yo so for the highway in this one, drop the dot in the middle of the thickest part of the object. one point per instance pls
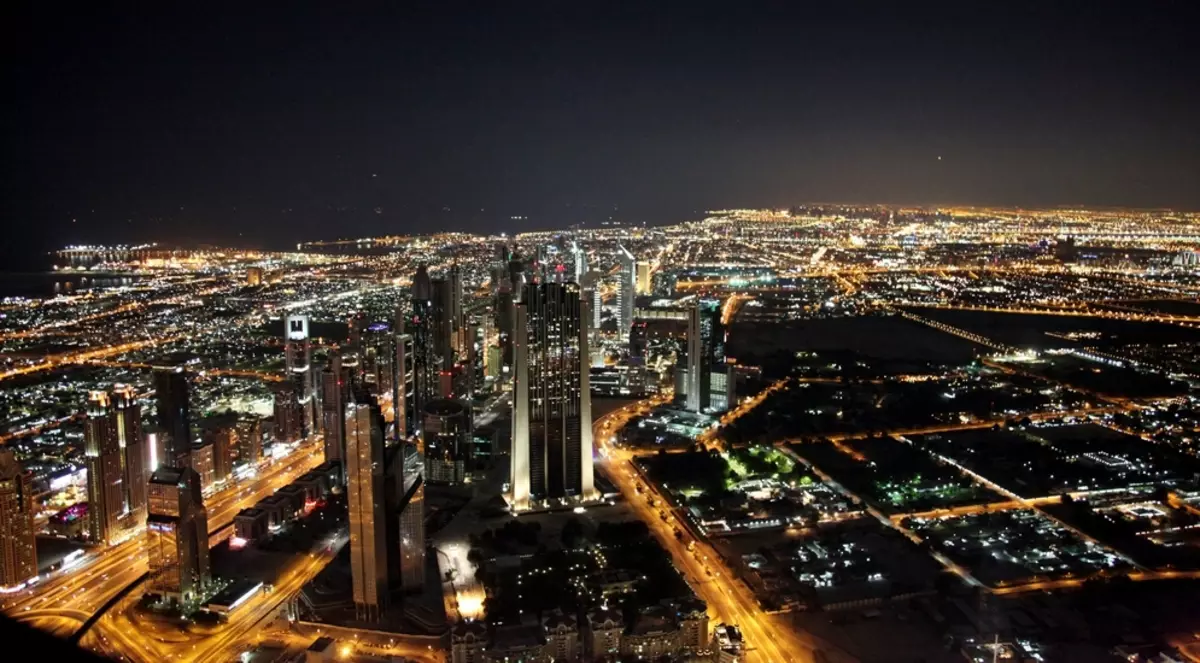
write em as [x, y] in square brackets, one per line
[730, 600]
[99, 576]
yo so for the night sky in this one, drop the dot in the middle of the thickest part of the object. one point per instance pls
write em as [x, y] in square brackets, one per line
[269, 126]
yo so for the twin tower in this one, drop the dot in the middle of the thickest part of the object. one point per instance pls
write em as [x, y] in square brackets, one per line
[552, 405]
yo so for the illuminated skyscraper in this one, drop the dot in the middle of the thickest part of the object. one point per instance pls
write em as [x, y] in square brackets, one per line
[113, 447]
[412, 522]
[335, 387]
[445, 326]
[404, 414]
[625, 292]
[174, 418]
[642, 278]
[446, 432]
[579, 256]
[177, 534]
[516, 276]
[367, 502]
[696, 396]
[420, 324]
[298, 357]
[289, 414]
[552, 442]
[18, 547]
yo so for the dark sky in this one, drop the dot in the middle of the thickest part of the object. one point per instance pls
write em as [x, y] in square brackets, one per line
[271, 125]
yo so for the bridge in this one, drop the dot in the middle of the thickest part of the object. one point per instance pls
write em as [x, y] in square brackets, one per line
[108, 605]
[59, 613]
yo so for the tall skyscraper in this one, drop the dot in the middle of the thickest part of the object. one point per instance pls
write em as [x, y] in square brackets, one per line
[412, 521]
[18, 547]
[404, 414]
[298, 357]
[445, 326]
[289, 413]
[504, 326]
[113, 448]
[695, 361]
[642, 278]
[454, 279]
[701, 372]
[420, 324]
[549, 458]
[335, 387]
[171, 392]
[579, 256]
[177, 529]
[446, 432]
[516, 276]
[625, 292]
[353, 351]
[367, 500]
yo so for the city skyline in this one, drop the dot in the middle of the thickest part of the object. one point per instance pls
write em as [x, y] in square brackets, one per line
[703, 332]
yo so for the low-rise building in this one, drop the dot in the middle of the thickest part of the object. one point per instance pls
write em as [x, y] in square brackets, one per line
[468, 641]
[562, 637]
[251, 524]
[653, 634]
[603, 634]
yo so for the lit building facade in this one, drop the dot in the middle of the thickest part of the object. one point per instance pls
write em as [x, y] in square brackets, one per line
[626, 291]
[289, 413]
[551, 444]
[177, 535]
[335, 387]
[421, 326]
[18, 546]
[366, 500]
[446, 433]
[411, 515]
[114, 451]
[171, 393]
[298, 358]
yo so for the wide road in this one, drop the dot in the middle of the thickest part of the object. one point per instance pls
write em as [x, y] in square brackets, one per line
[727, 597]
[99, 576]
[140, 640]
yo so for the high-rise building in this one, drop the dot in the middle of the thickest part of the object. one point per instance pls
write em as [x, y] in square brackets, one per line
[335, 388]
[204, 461]
[445, 326]
[298, 357]
[625, 292]
[504, 325]
[580, 259]
[174, 418]
[366, 499]
[249, 440]
[446, 432]
[352, 353]
[421, 325]
[454, 279]
[18, 547]
[696, 395]
[404, 396]
[552, 444]
[516, 276]
[254, 276]
[224, 440]
[113, 447]
[412, 521]
[289, 413]
[177, 535]
[642, 278]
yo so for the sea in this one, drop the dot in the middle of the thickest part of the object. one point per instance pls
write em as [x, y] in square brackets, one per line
[49, 284]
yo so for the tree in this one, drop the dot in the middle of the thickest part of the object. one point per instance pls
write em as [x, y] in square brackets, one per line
[572, 533]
